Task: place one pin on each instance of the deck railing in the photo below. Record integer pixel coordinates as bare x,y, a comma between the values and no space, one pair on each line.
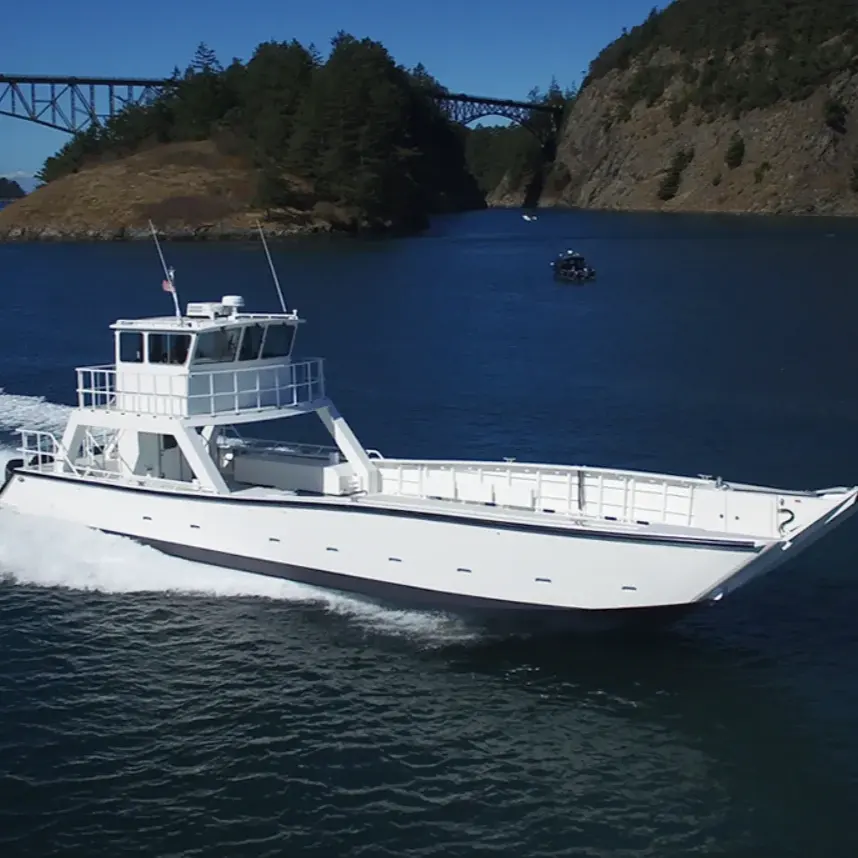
43,453
201,393
584,493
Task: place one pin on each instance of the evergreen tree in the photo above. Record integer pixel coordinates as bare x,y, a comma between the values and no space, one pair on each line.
205,60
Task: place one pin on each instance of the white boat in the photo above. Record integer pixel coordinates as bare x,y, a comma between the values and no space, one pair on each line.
153,452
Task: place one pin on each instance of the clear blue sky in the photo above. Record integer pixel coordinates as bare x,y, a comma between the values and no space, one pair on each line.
496,48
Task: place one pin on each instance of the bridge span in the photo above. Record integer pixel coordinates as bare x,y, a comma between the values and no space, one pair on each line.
73,104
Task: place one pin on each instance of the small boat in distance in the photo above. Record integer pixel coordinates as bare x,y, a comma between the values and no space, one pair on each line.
571,266
154,451
529,218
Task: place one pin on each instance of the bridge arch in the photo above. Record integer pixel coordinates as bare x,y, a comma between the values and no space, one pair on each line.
465,109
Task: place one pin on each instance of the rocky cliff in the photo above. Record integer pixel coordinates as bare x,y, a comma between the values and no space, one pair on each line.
791,160
746,106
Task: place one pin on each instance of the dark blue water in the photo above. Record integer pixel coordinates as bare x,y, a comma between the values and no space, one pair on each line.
154,707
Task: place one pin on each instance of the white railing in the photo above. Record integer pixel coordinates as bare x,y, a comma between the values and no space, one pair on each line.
201,393
43,453
583,493
40,450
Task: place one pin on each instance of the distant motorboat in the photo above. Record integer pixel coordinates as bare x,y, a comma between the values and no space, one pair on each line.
528,217
572,267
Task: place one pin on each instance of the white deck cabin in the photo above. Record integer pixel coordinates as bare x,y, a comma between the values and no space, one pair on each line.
212,365
165,413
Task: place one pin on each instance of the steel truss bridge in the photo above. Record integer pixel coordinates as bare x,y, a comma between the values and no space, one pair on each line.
469,108
73,104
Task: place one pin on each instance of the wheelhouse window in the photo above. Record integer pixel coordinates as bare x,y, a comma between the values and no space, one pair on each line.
251,342
169,348
131,347
278,340
217,346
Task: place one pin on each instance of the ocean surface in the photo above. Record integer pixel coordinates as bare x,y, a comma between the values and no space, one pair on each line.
150,706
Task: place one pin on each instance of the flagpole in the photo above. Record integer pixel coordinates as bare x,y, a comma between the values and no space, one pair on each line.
169,273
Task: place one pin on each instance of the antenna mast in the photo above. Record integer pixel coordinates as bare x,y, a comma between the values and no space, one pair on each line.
271,266
170,273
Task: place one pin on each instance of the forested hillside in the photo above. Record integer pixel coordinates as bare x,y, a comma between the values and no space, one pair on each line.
734,55
358,127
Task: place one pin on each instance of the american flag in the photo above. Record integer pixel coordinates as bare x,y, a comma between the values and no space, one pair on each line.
167,286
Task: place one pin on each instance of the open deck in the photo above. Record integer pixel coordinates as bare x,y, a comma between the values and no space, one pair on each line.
565,495
596,494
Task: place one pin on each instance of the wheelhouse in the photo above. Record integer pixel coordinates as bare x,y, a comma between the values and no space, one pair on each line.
212,363
206,335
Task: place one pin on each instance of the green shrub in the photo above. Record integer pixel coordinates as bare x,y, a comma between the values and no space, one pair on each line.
760,172
672,179
735,152
677,110
834,114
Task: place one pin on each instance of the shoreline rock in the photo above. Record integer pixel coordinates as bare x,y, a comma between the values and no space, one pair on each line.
53,234
214,234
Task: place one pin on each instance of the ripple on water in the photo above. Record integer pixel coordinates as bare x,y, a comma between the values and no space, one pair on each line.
164,723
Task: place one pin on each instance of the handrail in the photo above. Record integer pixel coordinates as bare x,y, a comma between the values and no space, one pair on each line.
201,392
590,493
41,456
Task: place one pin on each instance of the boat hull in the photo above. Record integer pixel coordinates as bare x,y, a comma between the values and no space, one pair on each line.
417,559
493,614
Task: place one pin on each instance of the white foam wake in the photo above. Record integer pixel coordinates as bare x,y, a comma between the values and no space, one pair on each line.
31,412
46,552
50,553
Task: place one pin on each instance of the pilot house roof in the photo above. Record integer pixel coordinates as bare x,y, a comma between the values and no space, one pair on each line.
205,316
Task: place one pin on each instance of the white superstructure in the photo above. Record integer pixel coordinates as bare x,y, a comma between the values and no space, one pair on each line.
155,450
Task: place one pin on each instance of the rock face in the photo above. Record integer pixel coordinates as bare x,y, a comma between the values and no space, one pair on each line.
793,162
189,191
796,158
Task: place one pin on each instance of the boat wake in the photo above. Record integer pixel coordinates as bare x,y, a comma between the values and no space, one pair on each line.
48,553
18,411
